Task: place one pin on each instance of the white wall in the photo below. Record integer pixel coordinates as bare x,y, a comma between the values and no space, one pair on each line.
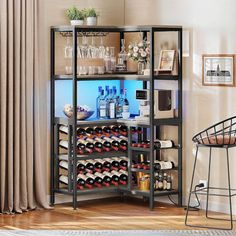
212,28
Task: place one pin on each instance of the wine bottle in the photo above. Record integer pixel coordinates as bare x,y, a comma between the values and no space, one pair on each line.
105,144
163,143
96,164
160,182
115,129
80,166
89,167
123,162
106,166
97,145
63,129
105,179
123,176
123,144
65,144
88,146
96,179
164,165
164,181
80,182
89,131
114,163
98,130
106,129
169,183
114,178
80,132
114,144
123,130
88,180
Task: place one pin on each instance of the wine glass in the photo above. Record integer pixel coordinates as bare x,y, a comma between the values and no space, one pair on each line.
102,49
68,51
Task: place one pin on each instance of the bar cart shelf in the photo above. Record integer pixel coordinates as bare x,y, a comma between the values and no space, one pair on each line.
153,124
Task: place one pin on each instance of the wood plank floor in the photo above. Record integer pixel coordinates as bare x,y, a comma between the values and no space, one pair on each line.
104,215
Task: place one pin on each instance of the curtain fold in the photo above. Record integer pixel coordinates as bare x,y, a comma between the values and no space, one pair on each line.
22,152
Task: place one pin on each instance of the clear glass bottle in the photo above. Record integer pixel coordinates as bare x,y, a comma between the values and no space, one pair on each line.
111,106
120,104
169,183
98,99
68,51
113,59
107,60
122,58
102,111
126,102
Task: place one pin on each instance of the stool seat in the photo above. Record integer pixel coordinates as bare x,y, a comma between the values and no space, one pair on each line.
219,135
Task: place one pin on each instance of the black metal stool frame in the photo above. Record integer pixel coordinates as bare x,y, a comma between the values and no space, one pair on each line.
228,130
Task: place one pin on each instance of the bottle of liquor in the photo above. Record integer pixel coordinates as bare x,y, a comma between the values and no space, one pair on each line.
164,181
96,164
114,163
102,106
144,163
89,167
169,183
106,146
88,146
123,130
98,130
119,104
115,129
98,99
160,182
111,106
123,144
114,178
164,165
96,179
105,179
107,60
89,131
126,102
114,144
88,180
106,165
80,182
123,176
97,144
163,143
156,181
122,57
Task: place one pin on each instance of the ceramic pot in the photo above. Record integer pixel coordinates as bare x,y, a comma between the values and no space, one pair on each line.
91,20
77,22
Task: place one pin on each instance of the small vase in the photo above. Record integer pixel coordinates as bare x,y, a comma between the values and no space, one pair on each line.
141,67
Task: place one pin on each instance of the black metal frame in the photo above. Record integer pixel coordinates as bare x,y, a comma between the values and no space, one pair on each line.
223,134
152,124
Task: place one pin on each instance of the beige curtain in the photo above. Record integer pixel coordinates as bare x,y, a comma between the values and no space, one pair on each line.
22,116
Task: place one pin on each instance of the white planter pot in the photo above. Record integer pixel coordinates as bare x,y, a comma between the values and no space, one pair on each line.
77,22
91,20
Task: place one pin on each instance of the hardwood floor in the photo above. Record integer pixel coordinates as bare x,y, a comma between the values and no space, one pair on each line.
105,214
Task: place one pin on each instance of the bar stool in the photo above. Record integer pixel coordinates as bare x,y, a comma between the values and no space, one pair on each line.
220,135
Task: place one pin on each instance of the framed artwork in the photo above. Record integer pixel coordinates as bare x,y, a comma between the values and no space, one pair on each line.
166,62
218,70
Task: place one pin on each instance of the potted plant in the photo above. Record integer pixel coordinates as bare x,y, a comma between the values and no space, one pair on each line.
91,16
75,15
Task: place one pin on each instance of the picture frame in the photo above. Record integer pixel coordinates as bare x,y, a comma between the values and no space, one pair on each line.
166,62
218,70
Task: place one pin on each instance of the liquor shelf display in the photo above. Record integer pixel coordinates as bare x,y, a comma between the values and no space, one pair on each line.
105,151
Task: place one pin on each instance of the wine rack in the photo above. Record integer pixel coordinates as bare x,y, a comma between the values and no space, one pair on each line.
64,146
